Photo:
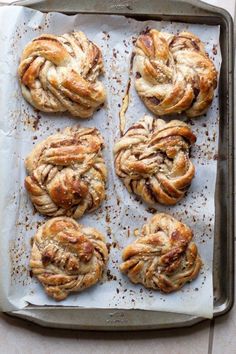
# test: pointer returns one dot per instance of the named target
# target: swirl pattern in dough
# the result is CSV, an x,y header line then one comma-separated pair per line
x,y
59,73
152,159
174,73
67,173
67,257
163,257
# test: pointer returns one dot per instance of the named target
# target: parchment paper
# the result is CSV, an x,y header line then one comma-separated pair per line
x,y
21,127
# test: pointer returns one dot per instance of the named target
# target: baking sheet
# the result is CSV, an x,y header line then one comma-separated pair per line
x,y
21,127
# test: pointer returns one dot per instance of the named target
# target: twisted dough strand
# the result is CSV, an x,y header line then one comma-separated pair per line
x,y
174,73
67,257
152,159
59,73
163,257
67,173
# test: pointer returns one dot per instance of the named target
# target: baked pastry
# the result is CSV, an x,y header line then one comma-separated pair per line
x,y
174,73
152,159
163,256
60,73
67,173
67,257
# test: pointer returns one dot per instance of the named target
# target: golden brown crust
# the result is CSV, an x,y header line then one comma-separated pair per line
x,y
67,257
59,73
152,159
67,173
163,257
174,73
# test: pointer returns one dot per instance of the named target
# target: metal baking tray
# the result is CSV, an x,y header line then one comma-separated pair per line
x,y
223,274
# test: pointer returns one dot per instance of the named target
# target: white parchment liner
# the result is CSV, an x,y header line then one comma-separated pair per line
x,y
21,127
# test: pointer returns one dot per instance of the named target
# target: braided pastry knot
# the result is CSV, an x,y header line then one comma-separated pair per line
x,y
152,159
59,73
174,73
67,173
163,257
67,257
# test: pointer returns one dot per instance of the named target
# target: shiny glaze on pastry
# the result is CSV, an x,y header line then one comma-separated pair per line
x,y
67,257
163,257
67,173
174,73
152,159
60,73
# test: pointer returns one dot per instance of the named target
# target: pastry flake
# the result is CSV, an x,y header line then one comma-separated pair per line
x,y
174,73
152,159
67,257
67,173
60,73
163,258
